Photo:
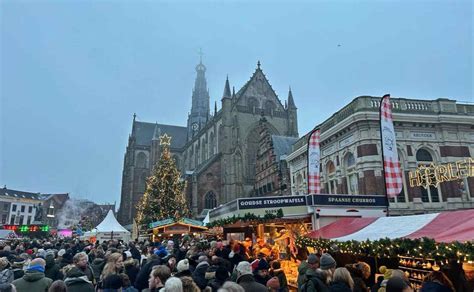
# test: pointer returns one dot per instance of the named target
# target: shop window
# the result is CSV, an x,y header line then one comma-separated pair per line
x,y
430,194
12,220
331,178
352,176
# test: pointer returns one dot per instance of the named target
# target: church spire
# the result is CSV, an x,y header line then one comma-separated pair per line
x,y
200,108
291,102
227,93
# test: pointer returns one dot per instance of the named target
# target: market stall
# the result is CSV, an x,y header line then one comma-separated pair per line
x,y
170,227
108,229
416,244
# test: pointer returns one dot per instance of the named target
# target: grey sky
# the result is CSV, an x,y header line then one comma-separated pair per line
x,y
74,72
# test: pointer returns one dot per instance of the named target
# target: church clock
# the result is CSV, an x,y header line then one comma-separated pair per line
x,y
194,126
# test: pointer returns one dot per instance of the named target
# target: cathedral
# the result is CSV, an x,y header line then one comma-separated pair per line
x,y
216,152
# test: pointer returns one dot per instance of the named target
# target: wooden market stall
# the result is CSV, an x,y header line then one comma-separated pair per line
x,y
170,227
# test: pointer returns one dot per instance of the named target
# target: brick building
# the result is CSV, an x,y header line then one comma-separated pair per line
x,y
272,173
438,131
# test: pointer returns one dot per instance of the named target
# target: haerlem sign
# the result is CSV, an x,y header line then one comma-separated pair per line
x,y
432,174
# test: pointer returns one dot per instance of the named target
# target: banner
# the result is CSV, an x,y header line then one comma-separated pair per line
x,y
272,202
348,200
314,159
393,173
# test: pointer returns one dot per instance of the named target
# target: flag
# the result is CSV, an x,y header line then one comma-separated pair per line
x,y
392,170
314,159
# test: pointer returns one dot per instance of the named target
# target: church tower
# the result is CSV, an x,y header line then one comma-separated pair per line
x,y
200,102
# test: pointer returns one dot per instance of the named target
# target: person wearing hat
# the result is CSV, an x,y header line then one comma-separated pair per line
x,y
246,280
34,278
312,262
183,269
261,272
130,266
318,280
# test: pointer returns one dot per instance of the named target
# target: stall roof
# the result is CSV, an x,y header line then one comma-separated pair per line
x,y
442,227
110,224
186,221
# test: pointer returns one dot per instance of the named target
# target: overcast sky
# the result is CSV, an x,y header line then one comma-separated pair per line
x,y
74,72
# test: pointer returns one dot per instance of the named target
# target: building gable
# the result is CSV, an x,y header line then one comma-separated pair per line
x,y
258,93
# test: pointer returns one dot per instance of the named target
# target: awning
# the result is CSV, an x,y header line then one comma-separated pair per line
x,y
443,227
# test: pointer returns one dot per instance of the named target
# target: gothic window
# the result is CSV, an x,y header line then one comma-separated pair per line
x,y
331,178
269,107
252,103
142,182
141,161
210,200
352,176
431,194
238,166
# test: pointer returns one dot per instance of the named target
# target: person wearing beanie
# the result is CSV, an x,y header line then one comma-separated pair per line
x,y
261,272
34,278
246,280
319,279
17,268
273,285
183,269
312,262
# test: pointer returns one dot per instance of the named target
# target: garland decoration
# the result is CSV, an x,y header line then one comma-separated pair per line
x,y
247,217
391,248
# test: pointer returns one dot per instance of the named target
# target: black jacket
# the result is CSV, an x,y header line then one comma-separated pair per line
x,y
52,270
339,287
250,285
199,275
142,278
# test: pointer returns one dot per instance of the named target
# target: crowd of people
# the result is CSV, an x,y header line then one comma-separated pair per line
x,y
187,265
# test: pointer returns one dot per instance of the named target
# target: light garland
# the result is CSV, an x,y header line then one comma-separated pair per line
x,y
391,248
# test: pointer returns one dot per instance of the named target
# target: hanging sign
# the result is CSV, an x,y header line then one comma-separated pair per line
x,y
432,174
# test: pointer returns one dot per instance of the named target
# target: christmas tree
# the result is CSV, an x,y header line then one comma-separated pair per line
x,y
164,197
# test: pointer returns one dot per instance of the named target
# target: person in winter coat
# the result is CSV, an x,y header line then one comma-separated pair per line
x,y
17,268
318,280
312,262
183,269
97,265
77,281
126,284
276,271
189,285
357,275
261,272
221,276
436,281
131,267
142,278
81,261
341,281
52,270
6,273
199,275
246,280
34,279
158,278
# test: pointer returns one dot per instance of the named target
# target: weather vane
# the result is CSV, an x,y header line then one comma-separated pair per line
x,y
165,140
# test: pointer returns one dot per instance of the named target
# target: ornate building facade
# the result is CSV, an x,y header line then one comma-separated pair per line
x,y
216,153
438,131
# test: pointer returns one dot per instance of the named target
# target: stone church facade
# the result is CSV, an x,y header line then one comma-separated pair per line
x,y
217,152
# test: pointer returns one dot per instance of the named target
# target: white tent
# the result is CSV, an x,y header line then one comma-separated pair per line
x,y
108,229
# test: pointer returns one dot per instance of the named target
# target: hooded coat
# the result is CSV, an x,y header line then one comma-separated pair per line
x,y
77,281
32,281
97,266
52,270
131,269
142,278
199,275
